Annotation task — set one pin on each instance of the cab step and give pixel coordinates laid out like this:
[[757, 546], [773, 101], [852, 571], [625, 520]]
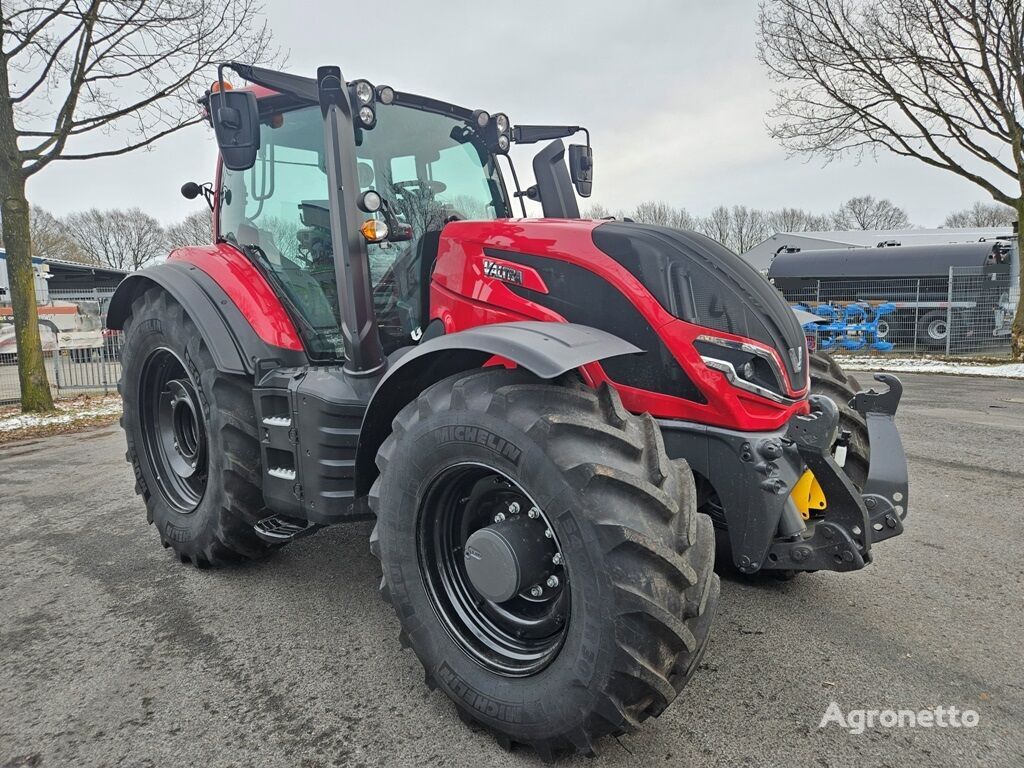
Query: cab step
[[278, 529]]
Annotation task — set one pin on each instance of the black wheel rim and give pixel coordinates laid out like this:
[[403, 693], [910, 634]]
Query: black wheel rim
[[173, 430], [514, 638]]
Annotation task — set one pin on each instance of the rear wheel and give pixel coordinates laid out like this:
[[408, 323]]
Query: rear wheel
[[191, 433], [544, 557]]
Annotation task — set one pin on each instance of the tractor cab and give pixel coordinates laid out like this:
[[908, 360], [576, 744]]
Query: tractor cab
[[419, 164]]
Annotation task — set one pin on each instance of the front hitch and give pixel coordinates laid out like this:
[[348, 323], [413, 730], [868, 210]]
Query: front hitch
[[886, 489], [840, 541], [853, 521]]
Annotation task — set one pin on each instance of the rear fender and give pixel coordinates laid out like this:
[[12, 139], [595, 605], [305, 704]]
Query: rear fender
[[234, 345], [545, 349]]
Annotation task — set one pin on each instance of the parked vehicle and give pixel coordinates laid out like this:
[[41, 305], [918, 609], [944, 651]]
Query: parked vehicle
[[913, 279], [63, 325], [536, 412]]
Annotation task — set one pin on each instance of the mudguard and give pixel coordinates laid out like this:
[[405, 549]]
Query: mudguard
[[543, 348], [234, 345]]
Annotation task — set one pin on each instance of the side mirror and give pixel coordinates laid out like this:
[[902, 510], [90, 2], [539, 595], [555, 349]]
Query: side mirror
[[236, 123], [581, 168]]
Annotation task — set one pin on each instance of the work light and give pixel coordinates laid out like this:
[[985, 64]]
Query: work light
[[370, 201], [481, 118], [367, 117], [385, 94], [499, 135], [364, 91]]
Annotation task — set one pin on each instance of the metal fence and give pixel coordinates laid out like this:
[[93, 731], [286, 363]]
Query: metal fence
[[965, 313], [80, 355], [70, 371]]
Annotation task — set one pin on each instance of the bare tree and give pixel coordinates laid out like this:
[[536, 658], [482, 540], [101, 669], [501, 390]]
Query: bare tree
[[788, 220], [663, 214], [797, 220], [982, 215], [749, 227], [717, 225], [868, 213], [935, 80], [122, 72], [597, 211], [50, 239], [121, 239], [194, 229]]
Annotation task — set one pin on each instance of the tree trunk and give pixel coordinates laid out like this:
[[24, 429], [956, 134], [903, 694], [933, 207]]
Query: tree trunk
[[35, 388], [1018, 318]]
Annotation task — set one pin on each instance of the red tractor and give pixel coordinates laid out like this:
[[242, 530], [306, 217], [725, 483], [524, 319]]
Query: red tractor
[[547, 418]]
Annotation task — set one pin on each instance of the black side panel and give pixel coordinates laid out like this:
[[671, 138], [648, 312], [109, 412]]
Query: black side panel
[[703, 282], [309, 429], [232, 342], [580, 296]]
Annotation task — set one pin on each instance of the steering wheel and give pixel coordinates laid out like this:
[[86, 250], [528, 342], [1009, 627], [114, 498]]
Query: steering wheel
[[431, 186]]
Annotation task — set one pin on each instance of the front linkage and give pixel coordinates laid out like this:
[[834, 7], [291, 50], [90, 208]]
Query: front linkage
[[853, 521], [754, 476]]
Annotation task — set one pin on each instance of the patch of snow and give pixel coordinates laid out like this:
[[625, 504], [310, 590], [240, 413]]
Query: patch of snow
[[908, 365], [66, 413]]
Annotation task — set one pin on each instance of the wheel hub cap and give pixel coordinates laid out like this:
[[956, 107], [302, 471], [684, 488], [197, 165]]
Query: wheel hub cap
[[508, 557]]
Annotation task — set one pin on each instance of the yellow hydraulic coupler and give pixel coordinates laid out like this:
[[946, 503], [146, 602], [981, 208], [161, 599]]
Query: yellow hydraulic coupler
[[807, 495]]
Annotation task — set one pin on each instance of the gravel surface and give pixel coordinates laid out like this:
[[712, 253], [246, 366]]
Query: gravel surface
[[113, 653]]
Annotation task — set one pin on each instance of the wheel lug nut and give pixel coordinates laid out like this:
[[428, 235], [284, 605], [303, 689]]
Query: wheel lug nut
[[548, 534], [552, 581], [534, 513], [557, 558], [537, 590], [514, 507], [499, 517]]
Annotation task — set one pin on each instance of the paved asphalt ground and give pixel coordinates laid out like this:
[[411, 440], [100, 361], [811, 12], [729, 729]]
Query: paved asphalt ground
[[112, 653]]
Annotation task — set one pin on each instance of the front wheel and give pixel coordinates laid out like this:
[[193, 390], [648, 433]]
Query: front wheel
[[544, 557]]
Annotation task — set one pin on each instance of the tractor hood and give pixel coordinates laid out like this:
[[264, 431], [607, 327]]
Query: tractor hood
[[702, 282]]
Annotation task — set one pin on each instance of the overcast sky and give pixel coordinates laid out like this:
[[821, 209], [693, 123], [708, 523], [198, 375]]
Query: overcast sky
[[671, 91]]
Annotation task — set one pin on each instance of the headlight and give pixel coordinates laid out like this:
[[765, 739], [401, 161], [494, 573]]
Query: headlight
[[503, 143], [385, 94], [481, 118], [367, 117], [746, 366], [501, 121]]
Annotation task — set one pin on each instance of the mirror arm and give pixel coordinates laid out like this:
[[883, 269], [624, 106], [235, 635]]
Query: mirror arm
[[531, 134]]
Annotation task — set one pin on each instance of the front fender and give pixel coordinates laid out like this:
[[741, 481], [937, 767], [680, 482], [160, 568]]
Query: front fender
[[545, 349]]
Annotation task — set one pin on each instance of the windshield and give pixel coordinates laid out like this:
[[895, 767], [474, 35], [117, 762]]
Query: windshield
[[429, 168]]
